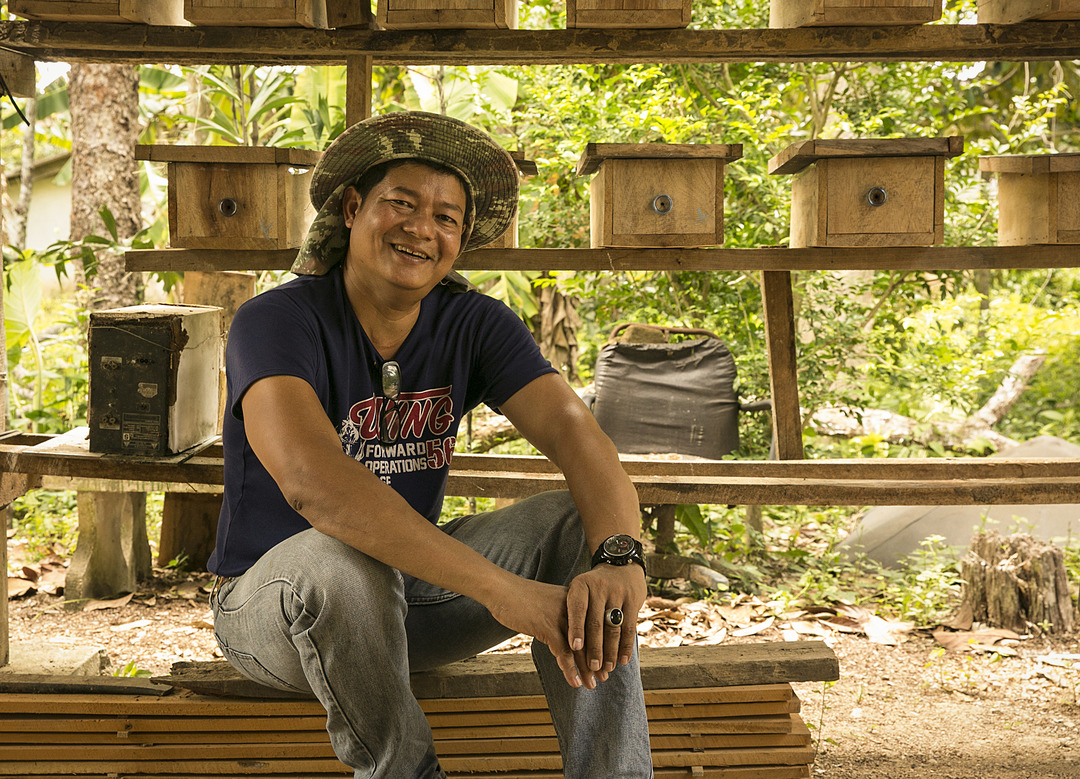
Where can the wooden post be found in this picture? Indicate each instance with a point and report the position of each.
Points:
(5, 512)
(189, 520)
(113, 554)
(779, 311)
(357, 89)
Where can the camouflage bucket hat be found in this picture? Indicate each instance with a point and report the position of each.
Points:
(488, 171)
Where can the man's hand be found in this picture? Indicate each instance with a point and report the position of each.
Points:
(597, 645)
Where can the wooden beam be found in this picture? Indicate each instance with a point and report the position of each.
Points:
(135, 43)
(357, 89)
(886, 482)
(501, 675)
(770, 258)
(780, 340)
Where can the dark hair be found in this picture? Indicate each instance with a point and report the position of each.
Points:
(376, 173)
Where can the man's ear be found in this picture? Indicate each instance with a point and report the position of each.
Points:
(350, 205)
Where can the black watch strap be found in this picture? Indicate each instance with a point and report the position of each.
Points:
(620, 550)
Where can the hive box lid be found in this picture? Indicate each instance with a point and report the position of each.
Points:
(1030, 163)
(804, 153)
(227, 154)
(596, 153)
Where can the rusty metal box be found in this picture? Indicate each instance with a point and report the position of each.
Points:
(153, 378)
(657, 194)
(450, 14)
(1038, 198)
(867, 191)
(127, 11)
(831, 13)
(630, 14)
(236, 197)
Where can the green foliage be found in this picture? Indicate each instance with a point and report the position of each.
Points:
(130, 670)
(46, 521)
(47, 364)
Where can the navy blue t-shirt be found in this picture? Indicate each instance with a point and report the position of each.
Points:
(465, 349)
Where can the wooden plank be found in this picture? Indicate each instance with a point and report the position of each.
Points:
(839, 483)
(48, 684)
(239, 155)
(596, 153)
(22, 721)
(780, 342)
(188, 767)
(1013, 11)
(733, 772)
(19, 73)
(615, 260)
(502, 675)
(799, 155)
(90, 42)
(224, 736)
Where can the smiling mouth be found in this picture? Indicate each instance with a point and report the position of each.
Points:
(411, 252)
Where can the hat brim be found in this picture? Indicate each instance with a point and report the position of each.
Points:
(487, 170)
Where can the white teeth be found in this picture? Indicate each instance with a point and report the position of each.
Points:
(411, 252)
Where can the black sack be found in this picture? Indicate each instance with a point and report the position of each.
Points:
(658, 398)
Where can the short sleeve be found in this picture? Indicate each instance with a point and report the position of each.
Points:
(270, 336)
(508, 357)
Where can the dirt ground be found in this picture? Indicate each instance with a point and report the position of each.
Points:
(898, 711)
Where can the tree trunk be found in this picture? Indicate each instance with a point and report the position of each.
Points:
(26, 177)
(113, 552)
(1017, 582)
(558, 324)
(896, 428)
(104, 101)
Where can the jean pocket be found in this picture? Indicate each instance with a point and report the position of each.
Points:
(254, 670)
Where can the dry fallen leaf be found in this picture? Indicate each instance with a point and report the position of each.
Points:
(19, 587)
(116, 603)
(754, 629)
(975, 640)
(887, 632)
(139, 623)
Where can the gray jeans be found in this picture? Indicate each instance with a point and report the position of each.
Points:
(316, 615)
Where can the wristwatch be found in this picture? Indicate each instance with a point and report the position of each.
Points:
(620, 550)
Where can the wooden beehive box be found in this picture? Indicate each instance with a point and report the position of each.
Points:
(632, 14)
(867, 192)
(1038, 198)
(143, 11)
(657, 194)
(1013, 11)
(509, 239)
(236, 197)
(153, 378)
(257, 13)
(829, 13)
(448, 14)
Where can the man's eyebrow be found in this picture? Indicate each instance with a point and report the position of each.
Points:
(413, 193)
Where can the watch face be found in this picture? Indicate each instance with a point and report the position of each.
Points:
(619, 546)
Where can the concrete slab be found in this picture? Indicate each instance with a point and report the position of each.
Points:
(32, 658)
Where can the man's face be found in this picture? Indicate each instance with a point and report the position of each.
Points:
(407, 232)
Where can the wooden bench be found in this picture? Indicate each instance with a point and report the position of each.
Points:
(719, 711)
(29, 460)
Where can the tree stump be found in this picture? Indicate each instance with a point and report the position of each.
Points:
(1017, 582)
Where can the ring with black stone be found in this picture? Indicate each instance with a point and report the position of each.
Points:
(613, 617)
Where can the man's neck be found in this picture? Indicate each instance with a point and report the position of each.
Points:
(387, 316)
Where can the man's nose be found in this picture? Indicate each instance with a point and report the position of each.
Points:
(421, 223)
